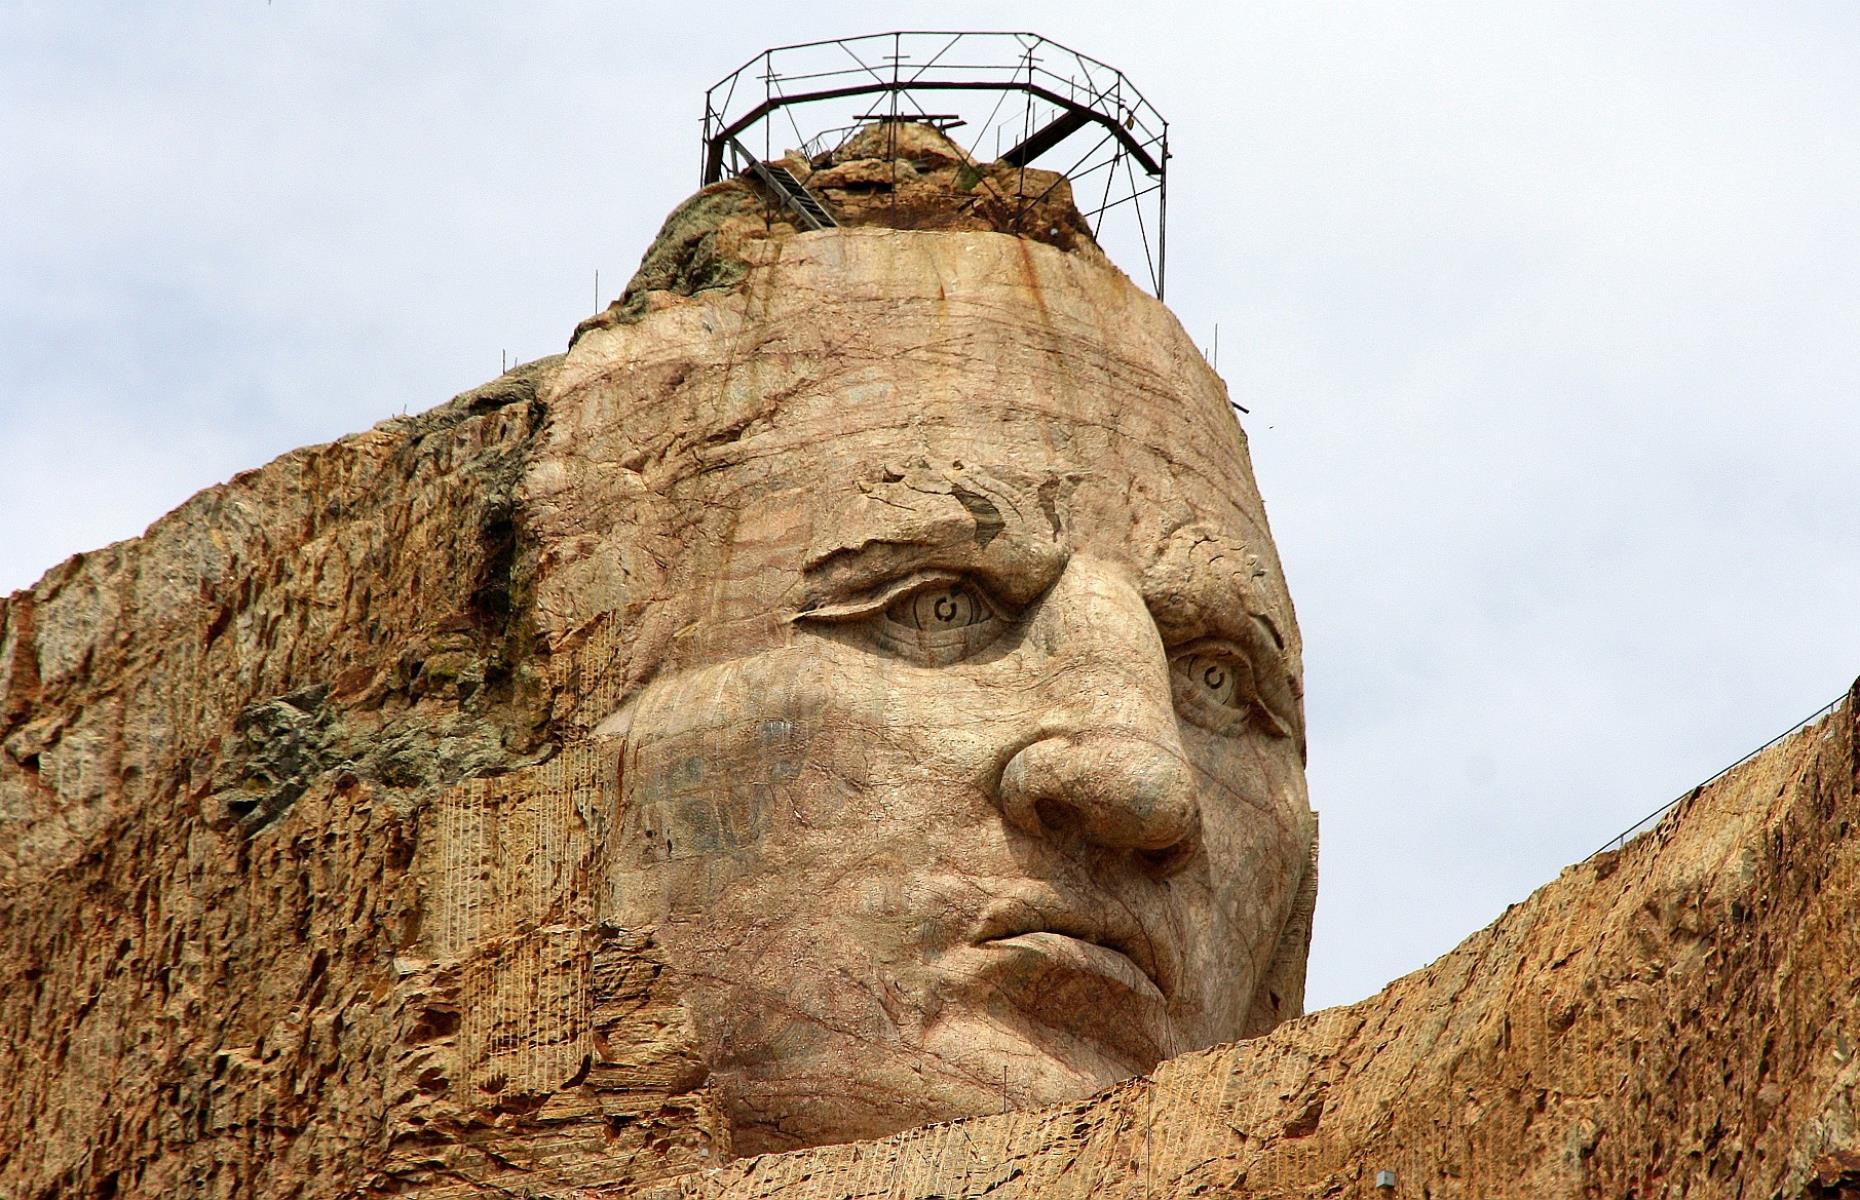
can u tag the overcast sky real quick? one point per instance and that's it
(1548, 316)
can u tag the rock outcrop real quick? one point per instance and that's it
(218, 740)
(623, 770)
(1680, 1017)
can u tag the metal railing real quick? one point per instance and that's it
(1038, 96)
(1621, 839)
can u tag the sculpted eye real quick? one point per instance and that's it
(942, 606)
(1215, 689)
(1215, 678)
(928, 621)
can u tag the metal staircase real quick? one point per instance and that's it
(809, 212)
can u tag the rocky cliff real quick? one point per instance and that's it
(309, 796)
(1675, 1018)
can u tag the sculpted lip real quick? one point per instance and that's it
(1052, 927)
(1090, 958)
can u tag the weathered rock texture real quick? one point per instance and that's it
(894, 175)
(218, 743)
(1677, 1018)
(854, 687)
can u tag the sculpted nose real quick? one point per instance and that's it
(1118, 789)
(1103, 761)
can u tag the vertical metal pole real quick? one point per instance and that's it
(1162, 216)
(891, 126)
(1026, 133)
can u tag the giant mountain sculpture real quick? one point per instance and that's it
(851, 692)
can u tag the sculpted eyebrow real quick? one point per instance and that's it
(1189, 605)
(983, 521)
(1194, 594)
(1218, 612)
(1014, 568)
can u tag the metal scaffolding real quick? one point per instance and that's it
(1038, 96)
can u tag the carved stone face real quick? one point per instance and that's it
(974, 774)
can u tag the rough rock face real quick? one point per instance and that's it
(855, 685)
(894, 175)
(1677, 1018)
(853, 688)
(216, 743)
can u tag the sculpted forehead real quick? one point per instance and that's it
(733, 419)
(1017, 529)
